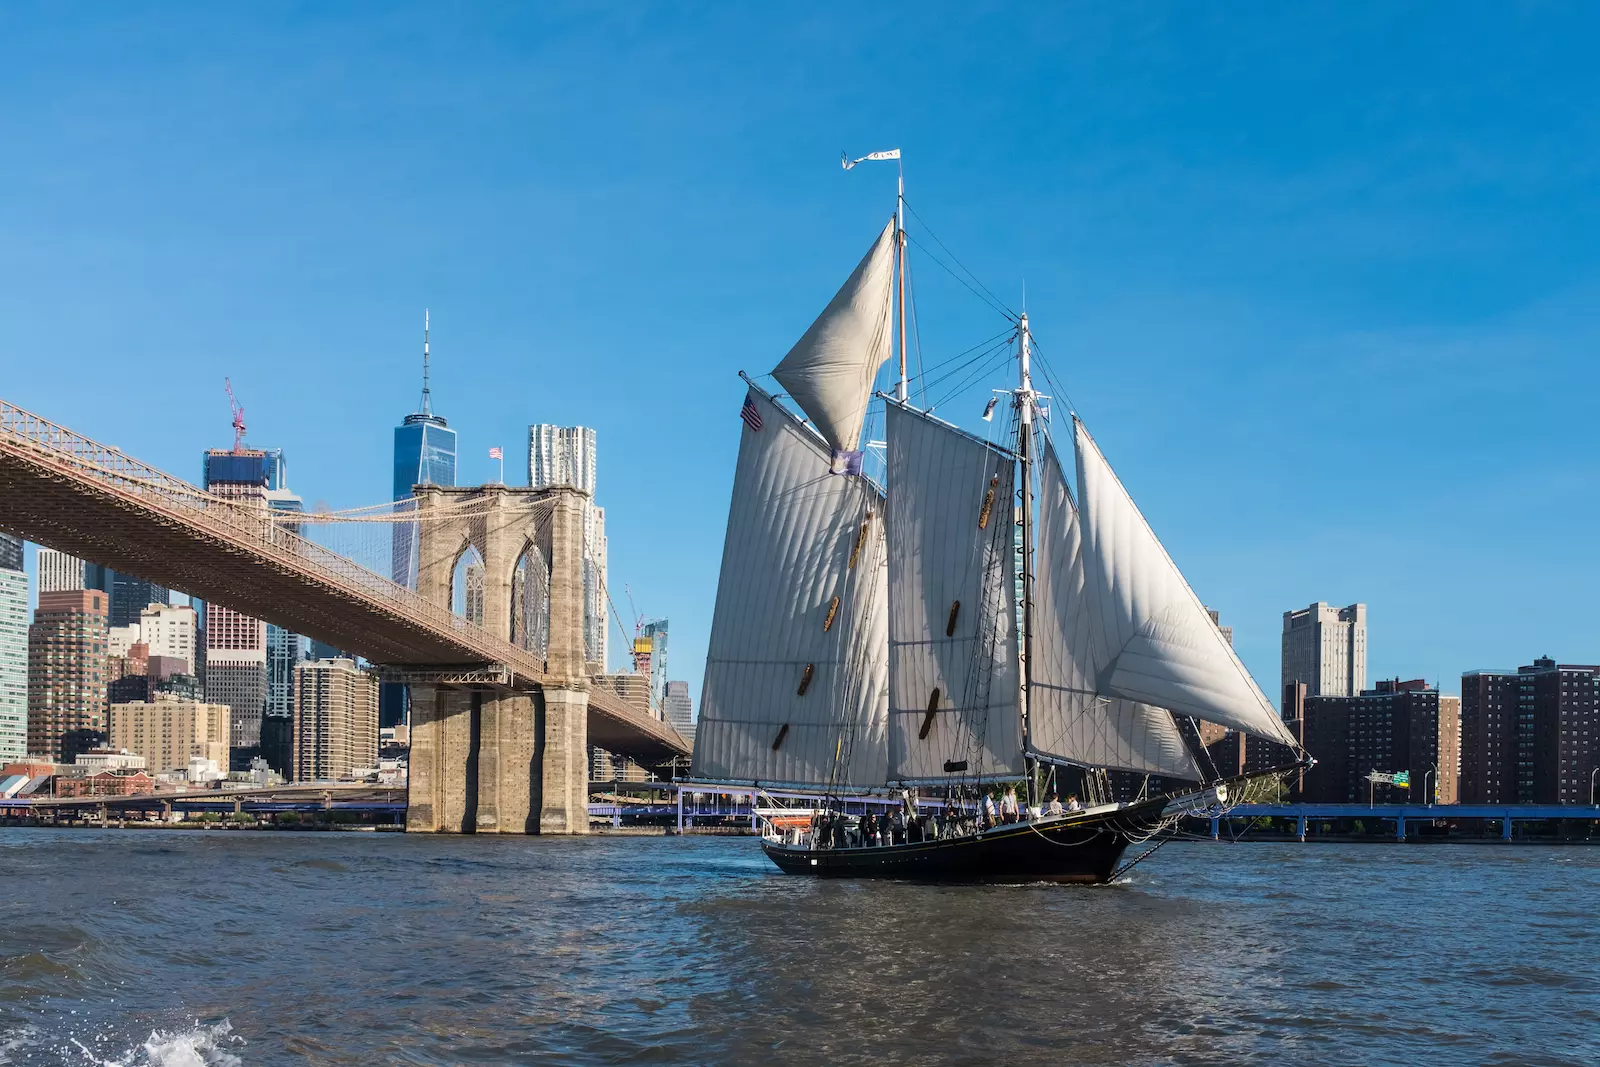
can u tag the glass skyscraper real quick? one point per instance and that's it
(284, 647)
(424, 454)
(13, 651)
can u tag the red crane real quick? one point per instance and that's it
(238, 418)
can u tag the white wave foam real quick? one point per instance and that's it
(200, 1046)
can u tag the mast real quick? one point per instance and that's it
(901, 393)
(1025, 456)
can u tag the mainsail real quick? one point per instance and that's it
(1068, 717)
(829, 371)
(953, 684)
(795, 688)
(1162, 647)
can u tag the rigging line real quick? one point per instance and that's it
(951, 374)
(1002, 357)
(1007, 335)
(1000, 344)
(916, 333)
(960, 264)
(1001, 308)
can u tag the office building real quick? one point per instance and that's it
(235, 643)
(170, 631)
(1326, 648)
(169, 731)
(66, 673)
(13, 652)
(119, 639)
(656, 631)
(130, 597)
(677, 707)
(285, 648)
(424, 454)
(335, 720)
(62, 573)
(1530, 736)
(1396, 726)
(565, 455)
(10, 552)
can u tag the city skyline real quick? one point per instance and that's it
(1166, 265)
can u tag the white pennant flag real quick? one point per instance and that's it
(893, 153)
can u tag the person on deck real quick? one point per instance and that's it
(988, 811)
(1073, 804)
(1054, 807)
(1008, 806)
(869, 830)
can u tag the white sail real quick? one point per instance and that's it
(1163, 648)
(800, 606)
(829, 371)
(953, 684)
(1067, 717)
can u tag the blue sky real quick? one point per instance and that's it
(1320, 279)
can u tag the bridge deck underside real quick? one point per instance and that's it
(73, 512)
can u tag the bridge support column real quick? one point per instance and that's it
(1399, 827)
(1505, 828)
(1300, 827)
(507, 782)
(441, 794)
(564, 762)
(1216, 827)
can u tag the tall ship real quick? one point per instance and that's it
(940, 672)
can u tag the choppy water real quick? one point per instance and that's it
(183, 948)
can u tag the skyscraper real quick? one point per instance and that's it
(678, 709)
(565, 455)
(656, 631)
(284, 647)
(424, 454)
(13, 651)
(1326, 648)
(130, 596)
(170, 630)
(67, 673)
(236, 644)
(10, 552)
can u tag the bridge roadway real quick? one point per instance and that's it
(64, 490)
(1402, 814)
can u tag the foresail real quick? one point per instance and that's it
(1163, 647)
(1067, 718)
(829, 371)
(796, 674)
(953, 685)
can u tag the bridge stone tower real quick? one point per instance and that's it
(488, 756)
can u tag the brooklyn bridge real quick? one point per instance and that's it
(502, 714)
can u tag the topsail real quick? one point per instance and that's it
(829, 371)
(1162, 647)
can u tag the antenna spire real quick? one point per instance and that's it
(427, 405)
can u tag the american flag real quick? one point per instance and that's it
(749, 413)
(495, 453)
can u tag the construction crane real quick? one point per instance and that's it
(238, 417)
(638, 619)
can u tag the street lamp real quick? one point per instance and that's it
(1591, 785)
(1430, 797)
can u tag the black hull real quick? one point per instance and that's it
(1081, 849)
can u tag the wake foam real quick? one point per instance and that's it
(200, 1046)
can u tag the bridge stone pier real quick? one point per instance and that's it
(489, 755)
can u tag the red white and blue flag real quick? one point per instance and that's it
(495, 453)
(750, 414)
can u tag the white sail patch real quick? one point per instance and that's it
(829, 371)
(953, 674)
(800, 606)
(1163, 647)
(1067, 717)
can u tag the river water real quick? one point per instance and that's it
(178, 949)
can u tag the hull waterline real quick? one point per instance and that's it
(1081, 849)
